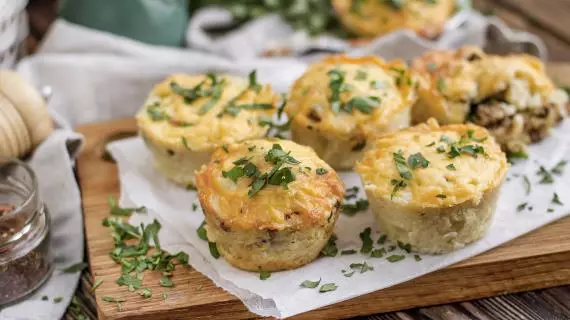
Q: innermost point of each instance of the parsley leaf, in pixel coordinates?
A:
(401, 165)
(213, 250)
(252, 76)
(395, 258)
(264, 275)
(282, 177)
(417, 160)
(558, 169)
(328, 287)
(513, 156)
(546, 176)
(234, 174)
(451, 166)
(321, 171)
(115, 210)
(352, 209)
(201, 231)
(378, 253)
(347, 252)
(363, 104)
(396, 186)
(330, 249)
(156, 114)
(556, 200)
(405, 246)
(310, 284)
(527, 185)
(382, 239)
(522, 206)
(362, 267)
(366, 241)
(166, 282)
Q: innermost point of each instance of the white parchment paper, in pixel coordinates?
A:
(280, 295)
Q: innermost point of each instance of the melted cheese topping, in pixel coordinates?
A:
(373, 17)
(307, 201)
(310, 97)
(189, 127)
(452, 79)
(437, 185)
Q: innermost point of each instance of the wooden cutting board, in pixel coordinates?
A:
(537, 260)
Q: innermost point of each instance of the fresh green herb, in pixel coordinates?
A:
(145, 293)
(115, 210)
(321, 171)
(191, 187)
(45, 298)
(440, 84)
(253, 81)
(546, 176)
(375, 84)
(378, 253)
(251, 148)
(215, 97)
(166, 282)
(310, 284)
(445, 139)
(257, 185)
(336, 85)
(522, 206)
(282, 177)
(113, 299)
(472, 150)
(417, 257)
(201, 231)
(96, 285)
(405, 246)
(451, 166)
(550, 210)
(328, 287)
(382, 239)
(214, 250)
(225, 148)
(440, 149)
(363, 104)
(351, 193)
(441, 196)
(130, 281)
(348, 274)
(395, 258)
(402, 166)
(361, 75)
(185, 143)
(556, 200)
(352, 209)
(431, 144)
(75, 267)
(330, 249)
(281, 108)
(366, 241)
(234, 174)
(57, 299)
(264, 275)
(190, 94)
(156, 114)
(417, 160)
(527, 185)
(362, 267)
(558, 169)
(194, 207)
(513, 156)
(348, 252)
(397, 185)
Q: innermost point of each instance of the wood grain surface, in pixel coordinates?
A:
(537, 260)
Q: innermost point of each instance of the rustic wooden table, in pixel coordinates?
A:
(546, 18)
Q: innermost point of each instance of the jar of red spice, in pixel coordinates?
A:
(25, 259)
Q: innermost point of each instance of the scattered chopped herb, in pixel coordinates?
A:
(445, 139)
(451, 166)
(321, 171)
(348, 274)
(417, 257)
(145, 293)
(395, 258)
(402, 166)
(431, 144)
(522, 206)
(115, 210)
(45, 298)
(363, 104)
(194, 207)
(366, 241)
(382, 239)
(441, 196)
(97, 284)
(57, 299)
(328, 287)
(310, 284)
(156, 114)
(348, 252)
(214, 250)
(362, 267)
(550, 210)
(546, 176)
(527, 185)
(234, 174)
(75, 267)
(558, 169)
(132, 282)
(396, 186)
(361, 75)
(376, 84)
(282, 106)
(556, 200)
(113, 299)
(166, 282)
(351, 193)
(330, 249)
(185, 143)
(378, 253)
(405, 246)
(225, 148)
(252, 76)
(352, 209)
(202, 233)
(440, 149)
(513, 156)
(164, 295)
(336, 85)
(190, 94)
(417, 160)
(264, 275)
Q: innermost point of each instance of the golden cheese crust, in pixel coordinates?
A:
(203, 112)
(372, 18)
(308, 200)
(341, 102)
(512, 95)
(464, 163)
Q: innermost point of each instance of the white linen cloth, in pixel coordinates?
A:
(97, 76)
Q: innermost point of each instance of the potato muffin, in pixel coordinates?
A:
(186, 117)
(511, 96)
(433, 187)
(340, 103)
(371, 18)
(269, 204)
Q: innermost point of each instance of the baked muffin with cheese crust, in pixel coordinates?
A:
(512, 96)
(269, 204)
(434, 187)
(186, 117)
(340, 103)
(372, 18)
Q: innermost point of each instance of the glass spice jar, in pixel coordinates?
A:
(25, 259)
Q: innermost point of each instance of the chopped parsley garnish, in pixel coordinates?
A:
(190, 94)
(431, 144)
(546, 176)
(361, 75)
(366, 241)
(556, 200)
(513, 156)
(527, 185)
(156, 114)
(522, 206)
(185, 143)
(440, 149)
(352, 209)
(264, 275)
(417, 160)
(310, 284)
(321, 171)
(281, 108)
(336, 85)
(405, 246)
(115, 210)
(441, 196)
(166, 282)
(397, 185)
(213, 250)
(362, 267)
(417, 257)
(145, 293)
(225, 148)
(113, 299)
(395, 258)
(401, 165)
(328, 287)
(330, 249)
(550, 210)
(234, 174)
(75, 267)
(252, 76)
(194, 207)
(362, 104)
(45, 298)
(351, 193)
(376, 84)
(348, 252)
(348, 274)
(96, 285)
(382, 239)
(57, 299)
(378, 253)
(201, 231)
(558, 169)
(216, 94)
(451, 166)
